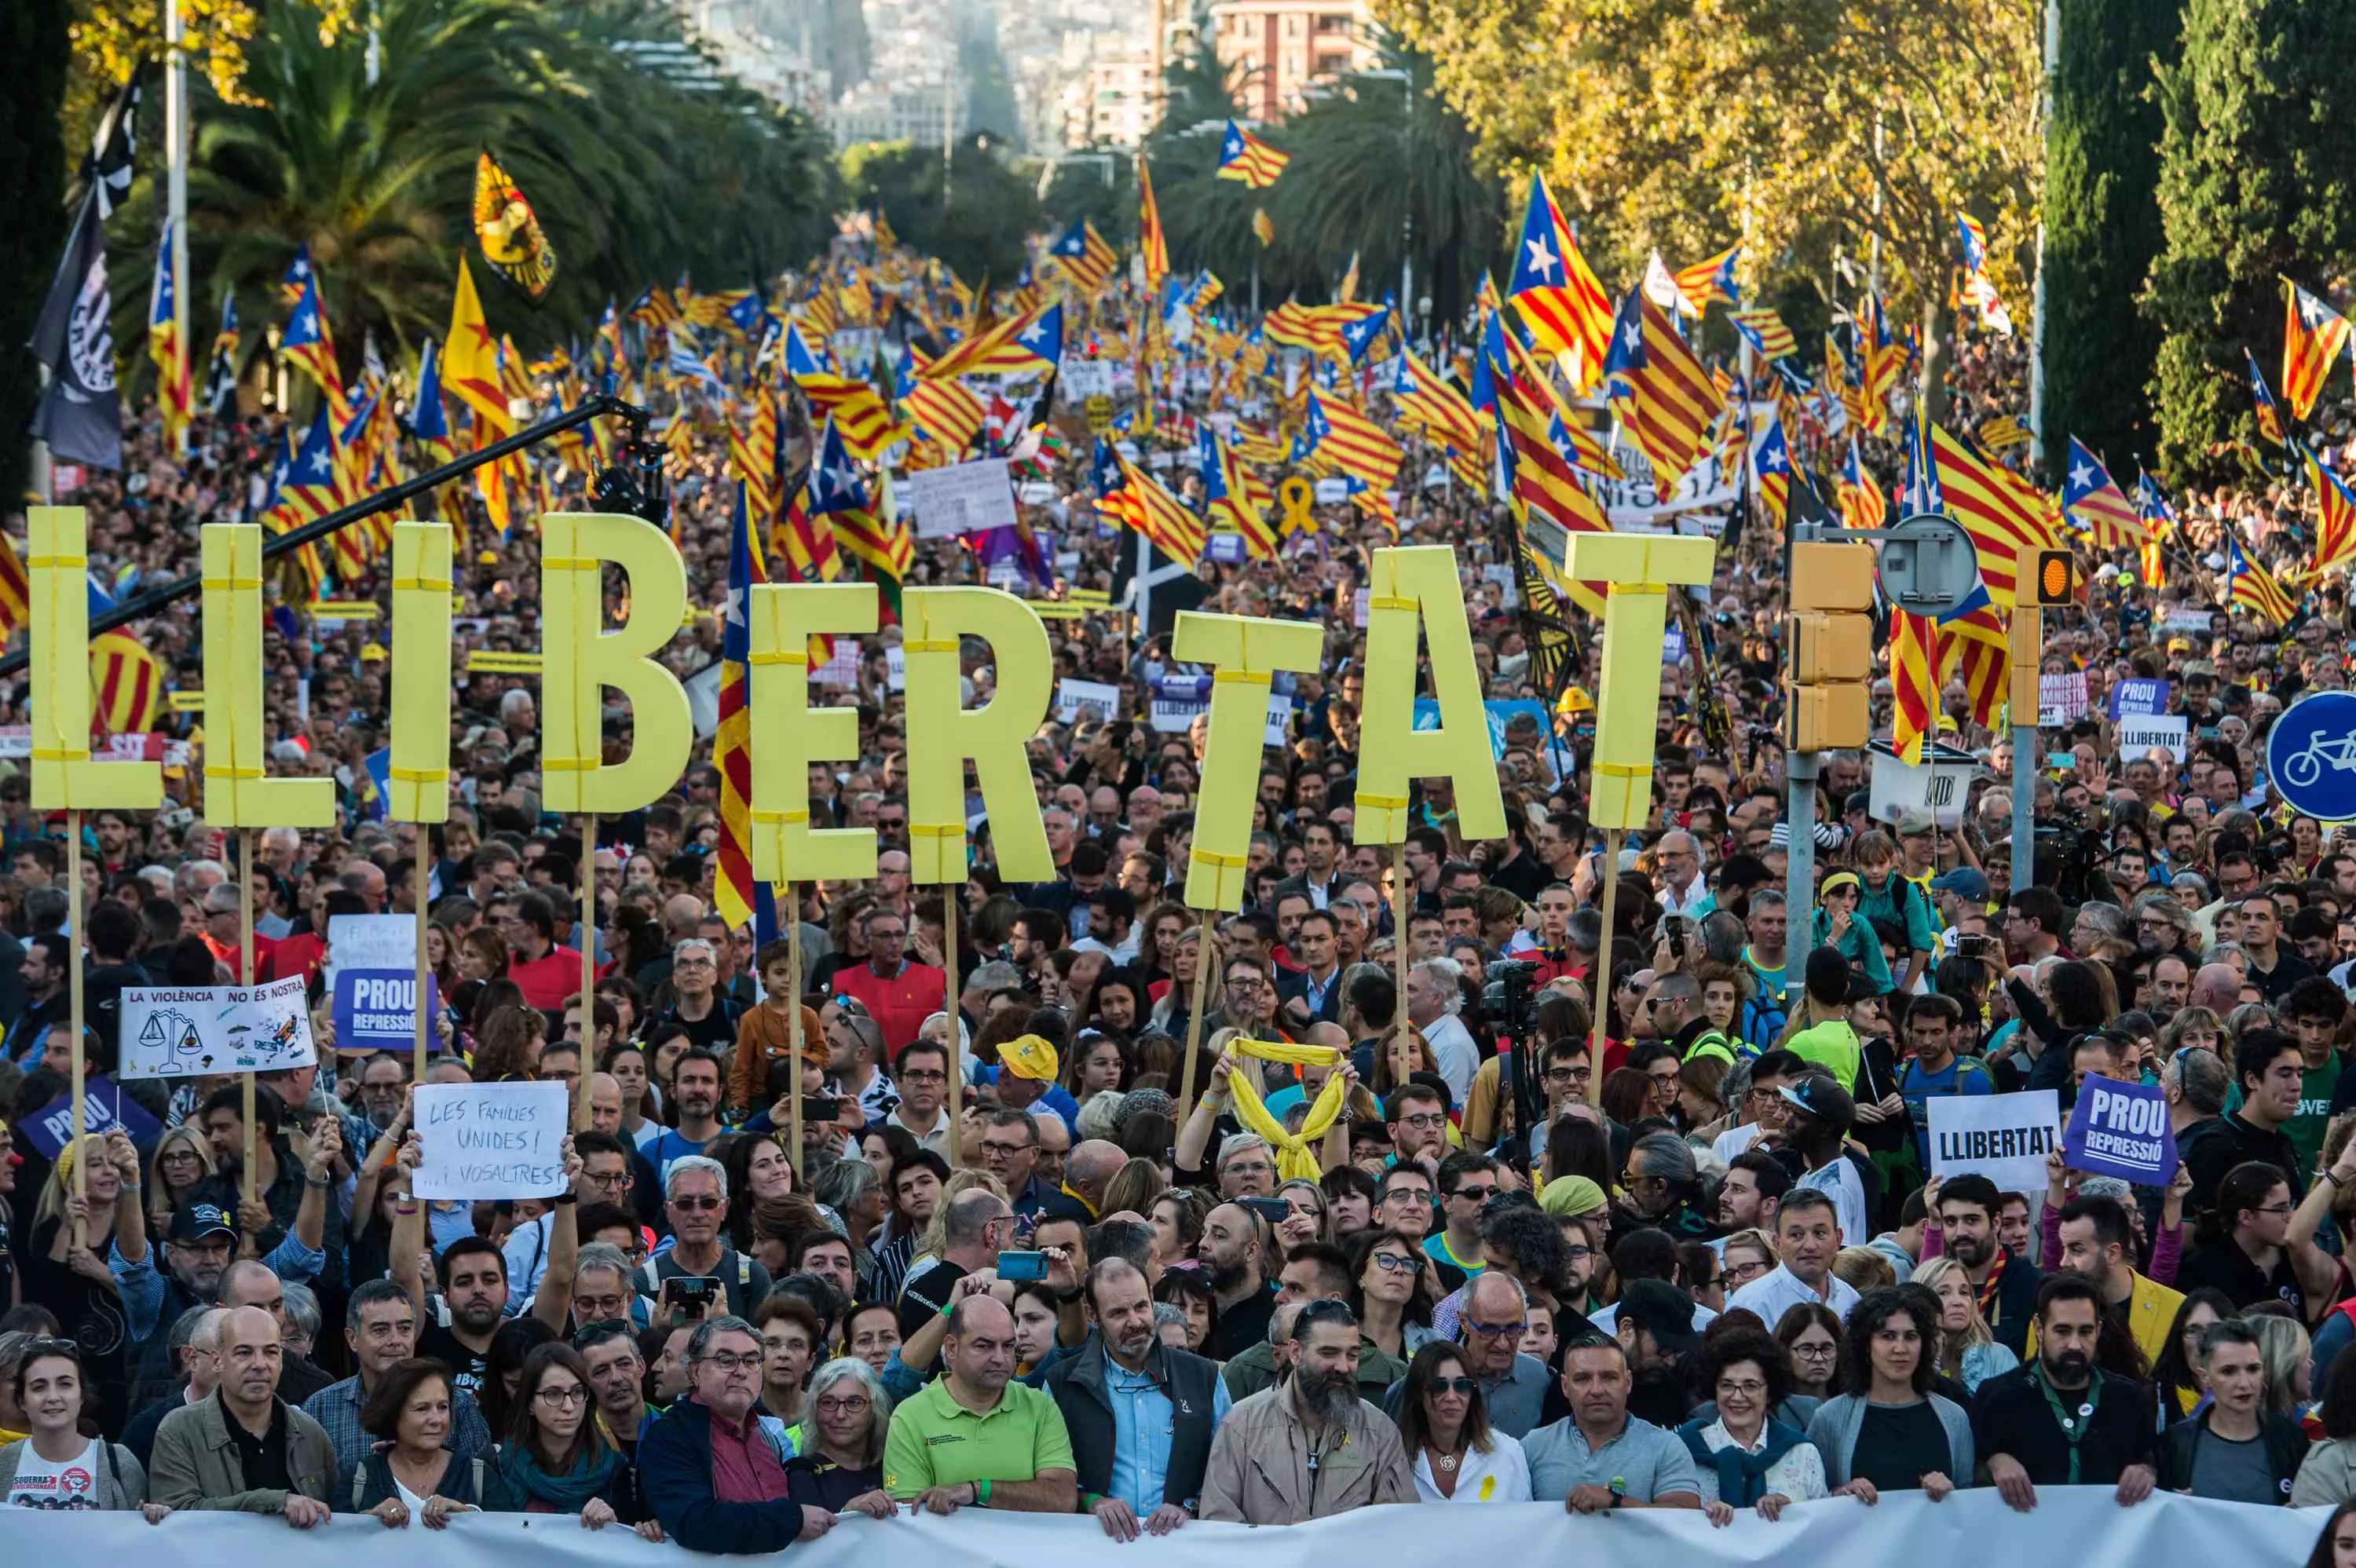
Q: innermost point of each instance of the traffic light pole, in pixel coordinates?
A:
(1800, 769)
(2027, 653)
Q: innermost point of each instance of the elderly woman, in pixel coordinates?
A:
(1747, 1458)
(841, 1467)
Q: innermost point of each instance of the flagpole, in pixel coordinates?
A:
(175, 189)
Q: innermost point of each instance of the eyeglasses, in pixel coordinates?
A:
(696, 1202)
(1816, 1352)
(880, 935)
(2272, 1209)
(1574, 1251)
(1748, 1270)
(576, 1395)
(1392, 1263)
(729, 1361)
(1426, 1121)
(1465, 1386)
(1569, 1074)
(1494, 1330)
(850, 1404)
(923, 1075)
(1747, 1388)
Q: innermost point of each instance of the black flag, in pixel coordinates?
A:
(81, 415)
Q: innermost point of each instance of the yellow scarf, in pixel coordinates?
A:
(1295, 1158)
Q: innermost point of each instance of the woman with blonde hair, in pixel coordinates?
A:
(70, 1276)
(2286, 1357)
(1967, 1351)
(181, 1161)
(1134, 1187)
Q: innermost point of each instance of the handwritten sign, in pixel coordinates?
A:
(371, 942)
(2004, 1137)
(2122, 1130)
(192, 1031)
(962, 498)
(491, 1140)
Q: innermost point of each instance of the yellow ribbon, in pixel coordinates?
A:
(1295, 1158)
(1286, 1052)
(1624, 770)
(61, 754)
(930, 645)
(1241, 677)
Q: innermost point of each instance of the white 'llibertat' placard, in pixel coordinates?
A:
(190, 1031)
(962, 498)
(1092, 700)
(491, 1140)
(2004, 1137)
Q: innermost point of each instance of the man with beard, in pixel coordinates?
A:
(1230, 1253)
(1655, 1329)
(197, 1253)
(1966, 1208)
(1141, 1415)
(1310, 1447)
(2061, 1420)
(474, 1277)
(2096, 1240)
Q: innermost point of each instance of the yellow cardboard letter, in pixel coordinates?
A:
(1641, 569)
(421, 687)
(789, 735)
(1247, 653)
(236, 793)
(580, 660)
(56, 578)
(1411, 587)
(943, 733)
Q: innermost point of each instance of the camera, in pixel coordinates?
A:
(1505, 1009)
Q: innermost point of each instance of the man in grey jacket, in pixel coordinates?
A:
(242, 1448)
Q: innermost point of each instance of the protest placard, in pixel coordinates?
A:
(1092, 700)
(961, 498)
(104, 1108)
(188, 1031)
(1279, 716)
(491, 1140)
(2004, 1137)
(2136, 696)
(1177, 698)
(371, 942)
(2142, 732)
(2122, 1130)
(376, 1010)
(2062, 699)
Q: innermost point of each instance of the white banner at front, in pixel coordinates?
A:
(2081, 1526)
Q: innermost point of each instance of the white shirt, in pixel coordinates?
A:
(1453, 1051)
(1799, 1474)
(1773, 1295)
(72, 1487)
(1734, 1141)
(1500, 1476)
(1840, 1183)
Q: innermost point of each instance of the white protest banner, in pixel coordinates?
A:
(371, 942)
(491, 1140)
(2084, 1526)
(2142, 732)
(1092, 700)
(2062, 699)
(2004, 1137)
(1279, 716)
(1359, 600)
(962, 498)
(896, 669)
(187, 1032)
(1333, 492)
(1177, 698)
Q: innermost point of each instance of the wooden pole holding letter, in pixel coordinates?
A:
(73, 992)
(1194, 999)
(588, 926)
(423, 1039)
(789, 905)
(1399, 907)
(953, 1107)
(1600, 980)
(249, 867)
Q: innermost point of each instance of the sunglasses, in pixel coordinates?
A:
(697, 1202)
(1465, 1386)
(1324, 1309)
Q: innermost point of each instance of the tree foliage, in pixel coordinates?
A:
(635, 178)
(1683, 124)
(978, 226)
(32, 60)
(2102, 222)
(2257, 178)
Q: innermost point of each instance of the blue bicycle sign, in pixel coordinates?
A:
(2311, 756)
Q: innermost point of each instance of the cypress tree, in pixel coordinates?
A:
(32, 60)
(2257, 179)
(2102, 223)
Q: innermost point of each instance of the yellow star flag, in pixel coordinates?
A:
(470, 361)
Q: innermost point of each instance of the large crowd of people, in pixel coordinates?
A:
(1419, 1246)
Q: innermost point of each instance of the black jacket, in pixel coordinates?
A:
(1077, 1384)
(2179, 1448)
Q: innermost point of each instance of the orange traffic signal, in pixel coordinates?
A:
(2054, 585)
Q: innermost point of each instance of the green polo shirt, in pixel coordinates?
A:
(936, 1442)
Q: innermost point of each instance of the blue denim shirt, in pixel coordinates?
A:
(1143, 1422)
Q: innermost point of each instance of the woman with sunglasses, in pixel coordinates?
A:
(1459, 1456)
(1388, 1294)
(555, 1457)
(59, 1466)
(180, 1163)
(408, 1473)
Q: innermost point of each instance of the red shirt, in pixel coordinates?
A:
(546, 982)
(745, 1468)
(232, 953)
(900, 1004)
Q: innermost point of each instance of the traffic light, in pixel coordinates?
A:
(2054, 583)
(1830, 634)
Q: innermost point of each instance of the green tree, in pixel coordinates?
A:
(33, 60)
(2102, 223)
(979, 228)
(2257, 178)
(636, 177)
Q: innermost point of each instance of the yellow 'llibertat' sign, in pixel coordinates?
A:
(582, 660)
(1642, 569)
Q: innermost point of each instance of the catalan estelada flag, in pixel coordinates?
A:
(1663, 397)
(1020, 346)
(2313, 335)
(1244, 156)
(1709, 282)
(1137, 500)
(1981, 645)
(1350, 442)
(310, 344)
(1771, 467)
(2335, 532)
(1428, 402)
(2003, 514)
(2252, 588)
(2090, 494)
(1542, 478)
(1152, 244)
(1863, 504)
(1762, 328)
(175, 395)
(1232, 502)
(2158, 521)
(2001, 432)
(1555, 292)
(2270, 419)
(1883, 358)
(16, 589)
(1085, 257)
(1914, 682)
(734, 891)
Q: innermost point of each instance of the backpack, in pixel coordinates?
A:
(1760, 1023)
